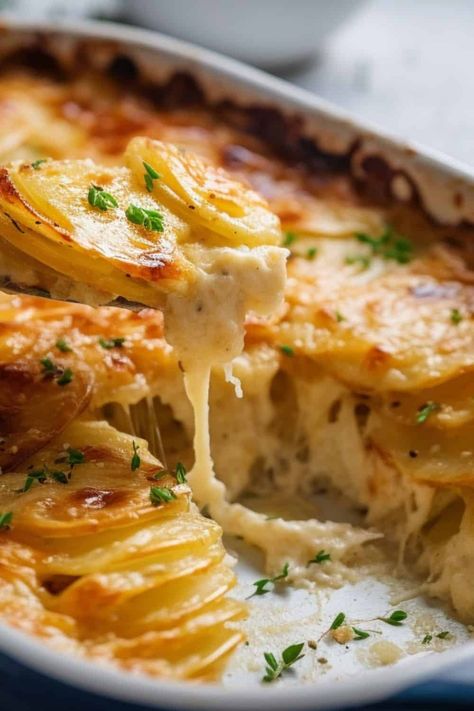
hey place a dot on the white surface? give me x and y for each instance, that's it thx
(406, 65)
(264, 32)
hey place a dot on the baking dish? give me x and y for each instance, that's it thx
(303, 126)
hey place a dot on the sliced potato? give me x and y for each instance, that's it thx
(203, 195)
(26, 425)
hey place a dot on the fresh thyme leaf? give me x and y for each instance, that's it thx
(38, 475)
(390, 245)
(161, 495)
(287, 350)
(59, 476)
(109, 343)
(338, 621)
(6, 519)
(135, 461)
(360, 634)
(99, 198)
(426, 410)
(427, 639)
(63, 377)
(150, 176)
(148, 182)
(66, 377)
(292, 653)
(261, 585)
(288, 239)
(75, 456)
(375, 243)
(311, 253)
(444, 635)
(361, 259)
(151, 171)
(396, 618)
(63, 346)
(36, 163)
(289, 656)
(320, 557)
(181, 473)
(151, 220)
(456, 316)
(270, 660)
(48, 366)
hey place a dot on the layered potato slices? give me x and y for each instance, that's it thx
(359, 385)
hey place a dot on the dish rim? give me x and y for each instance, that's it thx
(138, 689)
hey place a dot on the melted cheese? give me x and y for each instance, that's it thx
(373, 340)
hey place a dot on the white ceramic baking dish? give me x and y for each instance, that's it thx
(443, 188)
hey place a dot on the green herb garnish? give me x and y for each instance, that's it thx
(150, 176)
(48, 366)
(319, 558)
(426, 410)
(151, 220)
(444, 635)
(456, 316)
(63, 346)
(360, 634)
(288, 239)
(161, 495)
(396, 618)
(287, 350)
(361, 259)
(289, 656)
(181, 473)
(135, 460)
(36, 163)
(50, 369)
(6, 520)
(338, 621)
(109, 343)
(99, 198)
(390, 245)
(311, 253)
(340, 317)
(66, 377)
(37, 475)
(59, 476)
(75, 456)
(427, 639)
(261, 585)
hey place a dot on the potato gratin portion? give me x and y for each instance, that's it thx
(359, 383)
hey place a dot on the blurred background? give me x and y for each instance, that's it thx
(404, 65)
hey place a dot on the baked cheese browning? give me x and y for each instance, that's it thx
(108, 568)
(361, 381)
(114, 355)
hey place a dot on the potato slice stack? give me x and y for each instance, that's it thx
(97, 563)
(124, 231)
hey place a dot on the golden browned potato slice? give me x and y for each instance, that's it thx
(124, 231)
(203, 195)
(97, 564)
(36, 404)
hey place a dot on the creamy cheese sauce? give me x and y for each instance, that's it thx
(206, 329)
